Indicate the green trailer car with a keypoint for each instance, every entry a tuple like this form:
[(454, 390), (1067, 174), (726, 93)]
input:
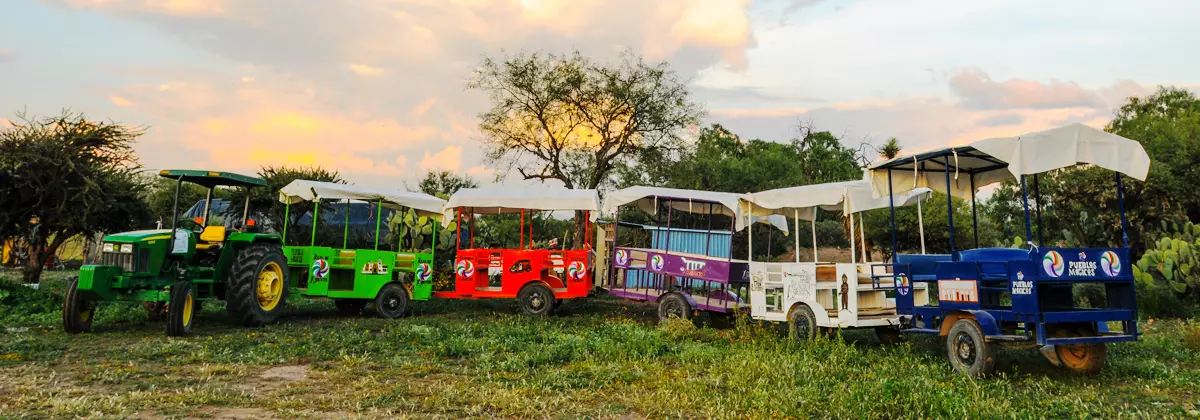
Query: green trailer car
[(172, 273), (355, 277)]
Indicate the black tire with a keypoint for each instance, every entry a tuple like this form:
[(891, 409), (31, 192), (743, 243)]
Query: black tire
[(392, 301), (536, 299), (350, 307), (968, 351), (673, 305), (181, 311), (78, 312), (243, 301), (802, 324), (888, 335), (1080, 359)]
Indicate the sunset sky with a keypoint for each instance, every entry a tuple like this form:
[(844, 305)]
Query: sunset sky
[(375, 88)]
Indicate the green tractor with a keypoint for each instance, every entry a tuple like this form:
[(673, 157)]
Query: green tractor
[(171, 274)]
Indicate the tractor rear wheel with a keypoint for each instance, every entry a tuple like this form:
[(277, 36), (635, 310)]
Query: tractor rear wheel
[(181, 311), (77, 310), (392, 301), (350, 307), (969, 352), (258, 283), (536, 299)]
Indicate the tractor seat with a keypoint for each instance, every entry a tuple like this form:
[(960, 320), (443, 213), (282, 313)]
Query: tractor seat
[(211, 238)]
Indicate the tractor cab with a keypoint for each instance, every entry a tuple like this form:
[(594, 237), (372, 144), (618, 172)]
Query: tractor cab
[(197, 236)]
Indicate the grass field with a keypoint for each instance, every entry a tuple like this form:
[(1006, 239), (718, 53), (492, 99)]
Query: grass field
[(605, 359)]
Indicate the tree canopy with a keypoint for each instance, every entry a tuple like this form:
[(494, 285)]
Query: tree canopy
[(65, 176)]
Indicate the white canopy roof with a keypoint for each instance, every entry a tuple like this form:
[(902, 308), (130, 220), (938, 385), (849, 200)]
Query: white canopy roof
[(302, 190), (846, 197), (691, 201), (993, 160), (511, 199)]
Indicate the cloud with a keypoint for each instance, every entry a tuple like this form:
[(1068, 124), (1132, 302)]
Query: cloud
[(364, 70), (1001, 119), (449, 159), (119, 101), (182, 8), (6, 56), (978, 91)]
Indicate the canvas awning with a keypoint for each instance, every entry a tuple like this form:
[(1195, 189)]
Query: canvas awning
[(846, 197), (511, 199), (691, 201), (304, 190), (989, 161)]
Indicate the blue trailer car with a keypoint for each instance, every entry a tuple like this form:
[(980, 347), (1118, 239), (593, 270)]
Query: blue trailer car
[(991, 297)]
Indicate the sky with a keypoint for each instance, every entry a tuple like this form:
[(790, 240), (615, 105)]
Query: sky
[(376, 88)]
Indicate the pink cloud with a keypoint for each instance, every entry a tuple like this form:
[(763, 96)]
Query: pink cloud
[(978, 91)]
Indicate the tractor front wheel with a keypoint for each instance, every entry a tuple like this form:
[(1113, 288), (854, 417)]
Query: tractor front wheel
[(392, 301), (78, 311), (182, 309), (257, 285)]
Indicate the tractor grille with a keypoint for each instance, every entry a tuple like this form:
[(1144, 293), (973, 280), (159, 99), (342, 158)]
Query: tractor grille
[(143, 260), (125, 261)]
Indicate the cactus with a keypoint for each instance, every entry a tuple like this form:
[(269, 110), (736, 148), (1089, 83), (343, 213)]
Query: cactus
[(413, 232), (1172, 259)]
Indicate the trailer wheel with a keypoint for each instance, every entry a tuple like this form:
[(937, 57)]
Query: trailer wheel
[(968, 351), (258, 285), (78, 311), (350, 307), (888, 335), (182, 309), (802, 324), (673, 305), (392, 301), (1080, 359), (536, 299)]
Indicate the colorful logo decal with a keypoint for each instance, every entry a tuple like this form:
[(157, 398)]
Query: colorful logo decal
[(377, 267), (1110, 263), (1020, 275), (320, 269), (622, 257), (1052, 264), (424, 272), (465, 268), (693, 268), (657, 263), (576, 270), (904, 286)]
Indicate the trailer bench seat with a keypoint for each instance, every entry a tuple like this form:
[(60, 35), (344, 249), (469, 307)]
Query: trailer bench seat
[(922, 267)]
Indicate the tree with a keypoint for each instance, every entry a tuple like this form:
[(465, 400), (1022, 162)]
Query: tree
[(567, 118), (890, 149), (1167, 123), (66, 176), (444, 183)]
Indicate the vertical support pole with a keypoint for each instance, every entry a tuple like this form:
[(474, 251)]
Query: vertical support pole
[(892, 207), (175, 214), (612, 266), (287, 209), (1121, 204), (378, 222), (796, 233), (732, 228), (708, 231), (950, 208), (974, 214), (667, 247), (853, 248), (207, 205), (921, 223), (521, 236), (1025, 201), (472, 228), (749, 236), (246, 208), (346, 231), (862, 238), (433, 246), (316, 212), (814, 234), (1037, 205), (458, 227)]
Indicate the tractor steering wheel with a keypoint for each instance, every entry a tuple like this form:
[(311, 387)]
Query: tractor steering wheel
[(190, 225)]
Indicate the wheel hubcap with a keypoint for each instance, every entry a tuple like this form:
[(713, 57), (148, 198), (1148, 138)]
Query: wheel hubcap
[(187, 311), (536, 300), (964, 346), (270, 286), (674, 309)]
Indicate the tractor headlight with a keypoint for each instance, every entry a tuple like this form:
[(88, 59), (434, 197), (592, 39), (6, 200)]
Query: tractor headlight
[(108, 247), (126, 248)]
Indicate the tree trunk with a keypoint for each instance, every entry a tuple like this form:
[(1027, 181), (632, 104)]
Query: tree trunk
[(38, 252)]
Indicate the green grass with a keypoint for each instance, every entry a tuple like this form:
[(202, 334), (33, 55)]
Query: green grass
[(608, 359)]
